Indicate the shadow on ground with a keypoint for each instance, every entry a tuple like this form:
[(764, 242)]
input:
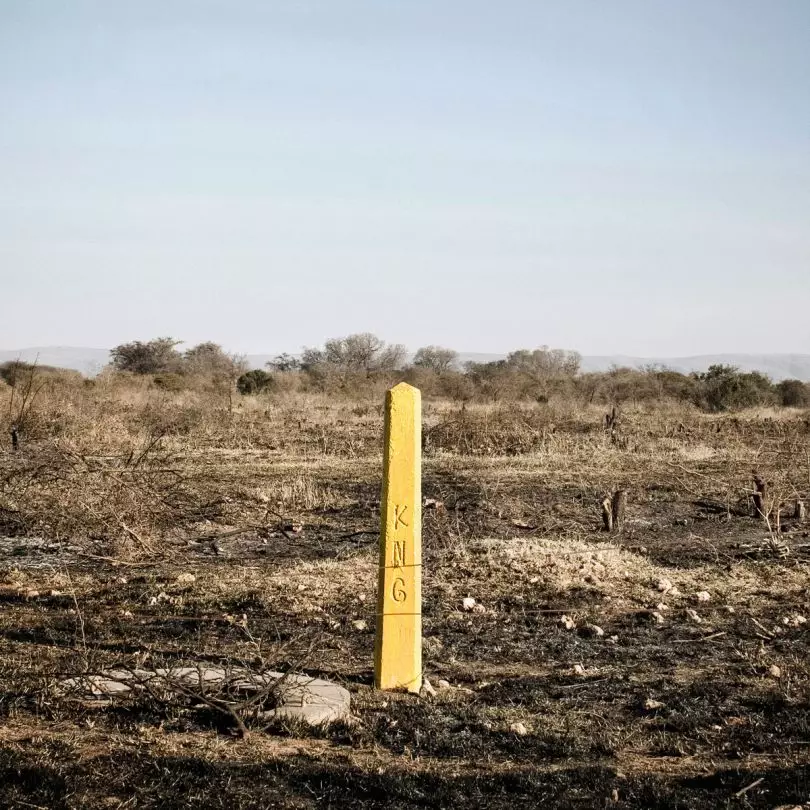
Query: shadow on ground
[(50, 776)]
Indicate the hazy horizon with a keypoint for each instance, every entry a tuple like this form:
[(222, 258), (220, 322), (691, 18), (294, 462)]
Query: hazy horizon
[(90, 360), (631, 178), (296, 350)]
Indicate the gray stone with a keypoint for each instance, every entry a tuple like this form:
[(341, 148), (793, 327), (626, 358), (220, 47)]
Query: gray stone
[(97, 686), (310, 700)]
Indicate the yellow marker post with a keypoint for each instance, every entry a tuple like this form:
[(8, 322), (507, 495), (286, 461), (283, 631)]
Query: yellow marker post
[(398, 650)]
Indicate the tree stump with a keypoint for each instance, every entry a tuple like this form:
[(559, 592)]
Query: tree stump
[(760, 509), (618, 508), (607, 514), (613, 510), (15, 438)]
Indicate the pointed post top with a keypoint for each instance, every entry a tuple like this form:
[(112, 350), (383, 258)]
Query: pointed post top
[(403, 386), (403, 395)]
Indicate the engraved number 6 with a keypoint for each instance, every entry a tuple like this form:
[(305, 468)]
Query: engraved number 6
[(398, 590)]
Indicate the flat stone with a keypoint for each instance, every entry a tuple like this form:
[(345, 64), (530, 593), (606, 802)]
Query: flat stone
[(311, 700), (97, 686)]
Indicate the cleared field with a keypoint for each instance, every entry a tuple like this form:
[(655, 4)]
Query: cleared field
[(663, 666)]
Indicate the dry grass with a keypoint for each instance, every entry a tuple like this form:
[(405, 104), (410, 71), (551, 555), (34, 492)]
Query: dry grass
[(272, 507)]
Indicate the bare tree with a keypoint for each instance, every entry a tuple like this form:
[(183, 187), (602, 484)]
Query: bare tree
[(436, 358), (153, 357), (542, 367), (284, 362), (358, 353), (211, 359)]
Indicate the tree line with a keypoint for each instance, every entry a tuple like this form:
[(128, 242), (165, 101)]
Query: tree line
[(362, 363)]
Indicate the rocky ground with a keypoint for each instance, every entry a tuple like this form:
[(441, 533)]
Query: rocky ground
[(662, 666)]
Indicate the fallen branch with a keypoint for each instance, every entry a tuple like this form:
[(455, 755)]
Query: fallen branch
[(740, 793), (703, 638)]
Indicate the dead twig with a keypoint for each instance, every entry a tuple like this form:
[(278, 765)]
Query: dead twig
[(695, 640), (740, 793)]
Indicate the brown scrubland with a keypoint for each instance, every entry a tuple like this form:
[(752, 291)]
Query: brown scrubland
[(163, 518)]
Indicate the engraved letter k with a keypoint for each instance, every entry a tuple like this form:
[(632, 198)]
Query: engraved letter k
[(399, 511)]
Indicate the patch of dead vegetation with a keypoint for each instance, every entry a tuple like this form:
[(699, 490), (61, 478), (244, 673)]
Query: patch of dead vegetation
[(667, 663)]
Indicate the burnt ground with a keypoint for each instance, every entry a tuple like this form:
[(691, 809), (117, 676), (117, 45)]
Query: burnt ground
[(651, 696)]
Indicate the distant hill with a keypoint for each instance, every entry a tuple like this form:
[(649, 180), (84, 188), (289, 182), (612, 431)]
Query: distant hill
[(88, 361), (776, 366)]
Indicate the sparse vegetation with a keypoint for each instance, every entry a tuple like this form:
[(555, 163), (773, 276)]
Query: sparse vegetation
[(661, 664)]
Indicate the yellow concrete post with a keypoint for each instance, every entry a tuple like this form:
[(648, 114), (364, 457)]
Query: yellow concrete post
[(398, 652)]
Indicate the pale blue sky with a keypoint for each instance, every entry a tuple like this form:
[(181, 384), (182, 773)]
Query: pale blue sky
[(626, 176)]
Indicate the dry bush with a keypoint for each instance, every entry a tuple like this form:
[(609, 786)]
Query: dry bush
[(126, 467), (505, 430)]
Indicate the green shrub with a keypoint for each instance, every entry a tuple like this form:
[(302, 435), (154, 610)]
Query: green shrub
[(793, 393), (254, 382), (724, 388)]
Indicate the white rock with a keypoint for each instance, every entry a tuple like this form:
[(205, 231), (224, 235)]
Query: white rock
[(579, 669), (651, 705), (674, 592), (661, 606), (519, 729), (427, 689), (730, 609), (693, 617), (468, 603), (360, 624), (664, 585), (568, 623), (775, 671), (703, 596), (658, 618), (443, 684), (186, 579)]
